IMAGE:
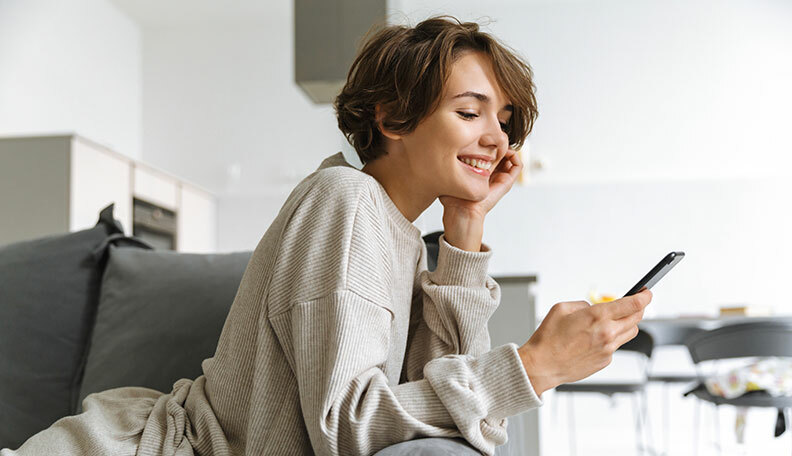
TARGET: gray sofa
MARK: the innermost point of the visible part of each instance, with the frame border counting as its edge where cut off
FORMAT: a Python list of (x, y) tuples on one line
[(92, 310)]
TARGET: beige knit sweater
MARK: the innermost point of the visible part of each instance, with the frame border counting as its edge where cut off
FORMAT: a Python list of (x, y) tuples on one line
[(339, 342)]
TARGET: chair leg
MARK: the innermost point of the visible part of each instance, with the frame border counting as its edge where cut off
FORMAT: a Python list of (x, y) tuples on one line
[(696, 426), (572, 431), (788, 419), (639, 444), (716, 428), (666, 413), (555, 407), (647, 423)]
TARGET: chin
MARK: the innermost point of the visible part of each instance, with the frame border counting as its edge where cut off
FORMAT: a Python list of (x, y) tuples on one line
[(474, 195)]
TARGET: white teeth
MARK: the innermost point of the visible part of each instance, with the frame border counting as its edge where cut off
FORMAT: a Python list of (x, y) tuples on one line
[(480, 164)]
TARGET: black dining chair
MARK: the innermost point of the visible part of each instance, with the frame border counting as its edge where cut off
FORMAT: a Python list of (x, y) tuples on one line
[(665, 334), (642, 344), (745, 340)]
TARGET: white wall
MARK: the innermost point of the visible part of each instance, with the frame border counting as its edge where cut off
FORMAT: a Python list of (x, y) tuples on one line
[(214, 98), (221, 108), (645, 88), (243, 220), (70, 67), (606, 236), (662, 122), (628, 91)]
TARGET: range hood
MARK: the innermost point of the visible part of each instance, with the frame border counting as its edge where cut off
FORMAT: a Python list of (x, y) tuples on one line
[(327, 34)]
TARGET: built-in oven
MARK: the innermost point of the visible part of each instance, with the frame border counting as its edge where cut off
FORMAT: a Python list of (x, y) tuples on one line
[(154, 224)]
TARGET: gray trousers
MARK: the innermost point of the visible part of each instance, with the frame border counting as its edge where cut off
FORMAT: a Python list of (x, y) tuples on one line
[(430, 447)]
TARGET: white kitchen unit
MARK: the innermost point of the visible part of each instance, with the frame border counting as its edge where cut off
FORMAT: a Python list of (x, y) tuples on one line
[(98, 177), (155, 187), (197, 220), (514, 322), (55, 184)]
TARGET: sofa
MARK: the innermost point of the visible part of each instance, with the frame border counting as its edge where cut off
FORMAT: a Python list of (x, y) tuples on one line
[(92, 310)]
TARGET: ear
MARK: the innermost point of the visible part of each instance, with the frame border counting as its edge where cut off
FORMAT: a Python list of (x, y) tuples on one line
[(379, 115)]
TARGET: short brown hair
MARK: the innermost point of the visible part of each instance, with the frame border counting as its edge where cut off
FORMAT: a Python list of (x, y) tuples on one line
[(404, 69)]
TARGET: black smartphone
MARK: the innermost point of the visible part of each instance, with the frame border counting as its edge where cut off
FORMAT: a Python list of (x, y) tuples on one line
[(657, 272)]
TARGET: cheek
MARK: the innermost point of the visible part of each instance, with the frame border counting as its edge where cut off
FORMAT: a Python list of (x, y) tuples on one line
[(443, 140), (464, 130), (439, 142)]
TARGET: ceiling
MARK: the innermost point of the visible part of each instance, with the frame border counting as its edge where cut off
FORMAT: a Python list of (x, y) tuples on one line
[(184, 13), (187, 13)]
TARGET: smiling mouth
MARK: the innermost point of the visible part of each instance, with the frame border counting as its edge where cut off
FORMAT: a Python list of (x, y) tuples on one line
[(480, 167), (478, 164)]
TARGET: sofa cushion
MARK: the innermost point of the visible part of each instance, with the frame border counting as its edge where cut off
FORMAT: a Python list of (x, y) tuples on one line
[(432, 242), (430, 446), (160, 314), (49, 290)]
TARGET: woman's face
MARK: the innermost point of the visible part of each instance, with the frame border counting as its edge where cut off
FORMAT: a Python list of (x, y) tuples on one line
[(453, 151)]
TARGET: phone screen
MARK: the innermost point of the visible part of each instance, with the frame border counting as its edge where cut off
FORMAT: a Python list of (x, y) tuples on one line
[(657, 272)]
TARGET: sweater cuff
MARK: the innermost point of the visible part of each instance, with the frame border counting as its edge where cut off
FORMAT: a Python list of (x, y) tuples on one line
[(493, 385), (510, 393), (460, 267)]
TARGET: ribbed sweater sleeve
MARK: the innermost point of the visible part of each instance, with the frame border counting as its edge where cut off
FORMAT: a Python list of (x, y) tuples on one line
[(456, 301), (340, 344)]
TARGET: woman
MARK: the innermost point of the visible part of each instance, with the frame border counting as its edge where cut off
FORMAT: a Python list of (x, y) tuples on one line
[(339, 341)]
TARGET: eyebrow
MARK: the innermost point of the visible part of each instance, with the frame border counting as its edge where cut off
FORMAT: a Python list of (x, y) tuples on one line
[(481, 97)]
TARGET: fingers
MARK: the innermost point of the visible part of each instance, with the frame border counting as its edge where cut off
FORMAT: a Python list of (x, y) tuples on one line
[(628, 305), (566, 308), (516, 158), (626, 336), (509, 160), (516, 164), (508, 169), (505, 175), (627, 324), (625, 328)]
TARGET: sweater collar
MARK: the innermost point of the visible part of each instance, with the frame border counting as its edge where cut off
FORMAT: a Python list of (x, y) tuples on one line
[(395, 214)]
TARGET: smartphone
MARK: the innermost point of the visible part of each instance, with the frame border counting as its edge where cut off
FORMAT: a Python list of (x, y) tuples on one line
[(657, 272)]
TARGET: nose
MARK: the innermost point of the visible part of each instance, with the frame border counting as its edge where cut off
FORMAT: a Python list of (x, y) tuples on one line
[(494, 137)]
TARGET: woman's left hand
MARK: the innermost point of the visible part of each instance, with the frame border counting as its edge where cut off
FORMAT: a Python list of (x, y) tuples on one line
[(463, 220), (500, 182)]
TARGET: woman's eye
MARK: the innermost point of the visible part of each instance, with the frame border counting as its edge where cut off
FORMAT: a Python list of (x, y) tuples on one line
[(469, 116)]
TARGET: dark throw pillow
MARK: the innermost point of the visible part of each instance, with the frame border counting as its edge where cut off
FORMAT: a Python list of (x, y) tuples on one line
[(160, 315), (49, 291)]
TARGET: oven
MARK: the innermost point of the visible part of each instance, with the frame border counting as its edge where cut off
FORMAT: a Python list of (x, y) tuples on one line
[(154, 224)]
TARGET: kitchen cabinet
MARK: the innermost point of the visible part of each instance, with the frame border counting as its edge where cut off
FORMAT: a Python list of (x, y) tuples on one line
[(98, 177), (155, 187), (197, 221), (56, 184)]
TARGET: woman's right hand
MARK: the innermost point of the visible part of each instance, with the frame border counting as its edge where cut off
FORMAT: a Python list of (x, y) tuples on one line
[(577, 339)]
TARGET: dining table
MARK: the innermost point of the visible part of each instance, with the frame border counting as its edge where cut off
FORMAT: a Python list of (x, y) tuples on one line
[(676, 330)]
